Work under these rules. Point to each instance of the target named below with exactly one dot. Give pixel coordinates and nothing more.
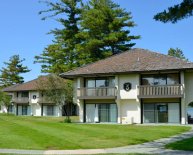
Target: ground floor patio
(167, 110)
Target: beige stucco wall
(36, 109)
(130, 111)
(131, 78)
(78, 83)
(188, 87)
(31, 99)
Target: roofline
(20, 90)
(20, 85)
(91, 63)
(118, 73)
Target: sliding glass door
(101, 112)
(161, 113)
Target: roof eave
(73, 76)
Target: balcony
(44, 100)
(160, 91)
(97, 93)
(20, 99)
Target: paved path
(155, 147)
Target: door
(50, 110)
(90, 113)
(24, 109)
(104, 112)
(162, 113)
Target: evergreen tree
(178, 53)
(176, 12)
(105, 30)
(61, 55)
(10, 74)
(89, 32)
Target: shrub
(67, 120)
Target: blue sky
(23, 32)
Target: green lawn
(50, 133)
(186, 145)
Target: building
(27, 100)
(137, 86)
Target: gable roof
(134, 60)
(30, 85)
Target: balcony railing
(161, 91)
(44, 100)
(20, 99)
(97, 93)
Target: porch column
(42, 110)
(119, 111)
(183, 104)
(16, 109)
(81, 110)
(79, 83)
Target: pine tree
(61, 55)
(105, 30)
(178, 53)
(176, 12)
(10, 74)
(89, 32)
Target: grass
(186, 145)
(50, 133)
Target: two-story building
(28, 100)
(136, 86)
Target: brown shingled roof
(30, 85)
(134, 60)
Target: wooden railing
(97, 93)
(20, 99)
(44, 100)
(163, 91)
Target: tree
(176, 12)
(57, 90)
(178, 53)
(89, 32)
(105, 30)
(5, 99)
(10, 74)
(61, 56)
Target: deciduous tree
(5, 99)
(57, 90)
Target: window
(173, 79)
(160, 79)
(101, 112)
(10, 108)
(24, 94)
(161, 113)
(24, 109)
(100, 82)
(50, 110)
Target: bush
(67, 120)
(7, 114)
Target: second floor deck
(97, 93)
(143, 91)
